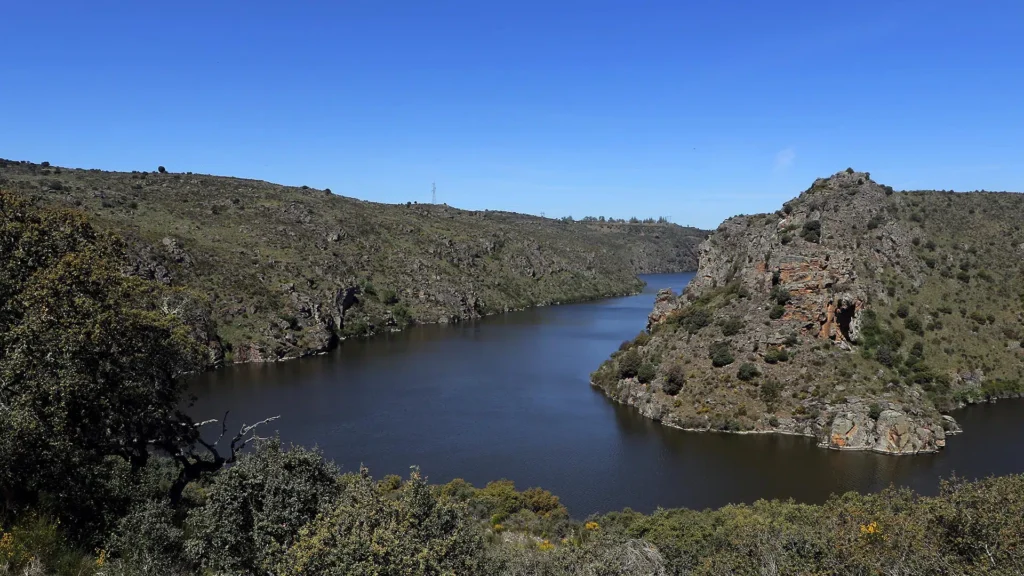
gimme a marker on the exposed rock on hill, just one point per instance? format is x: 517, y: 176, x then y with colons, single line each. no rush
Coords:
x: 855, y: 315
x: 282, y: 272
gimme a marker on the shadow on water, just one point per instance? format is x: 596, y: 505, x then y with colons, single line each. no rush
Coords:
x: 509, y: 396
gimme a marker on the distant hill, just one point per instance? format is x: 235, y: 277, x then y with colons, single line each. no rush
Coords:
x: 855, y: 314
x: 282, y: 272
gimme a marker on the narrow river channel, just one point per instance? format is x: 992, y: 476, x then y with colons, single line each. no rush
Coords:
x: 508, y: 397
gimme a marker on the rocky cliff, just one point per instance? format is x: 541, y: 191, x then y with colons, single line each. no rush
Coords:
x: 855, y: 314
x: 273, y: 272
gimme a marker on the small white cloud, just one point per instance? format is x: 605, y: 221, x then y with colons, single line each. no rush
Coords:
x: 784, y: 159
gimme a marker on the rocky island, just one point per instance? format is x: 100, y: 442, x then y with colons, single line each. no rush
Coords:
x: 855, y: 314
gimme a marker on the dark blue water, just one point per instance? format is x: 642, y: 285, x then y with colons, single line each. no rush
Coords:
x: 509, y: 397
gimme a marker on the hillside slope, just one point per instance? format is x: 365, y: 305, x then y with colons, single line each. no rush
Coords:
x: 855, y: 315
x: 280, y: 272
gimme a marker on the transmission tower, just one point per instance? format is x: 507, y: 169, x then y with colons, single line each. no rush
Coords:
x: 433, y: 193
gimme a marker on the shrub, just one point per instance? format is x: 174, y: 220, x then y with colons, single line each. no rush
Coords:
x: 874, y: 411
x: 780, y: 295
x: 913, y: 324
x: 646, y: 372
x: 161, y: 170
x: 388, y: 296
x: 674, y: 379
x: 254, y: 510
x: 720, y: 354
x: 148, y: 541
x: 747, y: 372
x: 693, y: 318
x: 903, y: 310
x: 885, y: 356
x: 770, y: 392
x: 732, y: 326
x: 629, y: 363
x: 776, y: 312
x: 775, y: 355
x: 811, y: 231
x: 400, y: 312
x: 875, y: 221
x: 412, y: 531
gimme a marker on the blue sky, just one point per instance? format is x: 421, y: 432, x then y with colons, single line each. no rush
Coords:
x: 694, y: 110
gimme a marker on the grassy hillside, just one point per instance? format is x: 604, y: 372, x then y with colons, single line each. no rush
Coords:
x: 283, y: 271
x: 103, y: 474
x: 855, y: 314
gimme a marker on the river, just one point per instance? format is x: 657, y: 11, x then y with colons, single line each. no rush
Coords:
x: 509, y: 397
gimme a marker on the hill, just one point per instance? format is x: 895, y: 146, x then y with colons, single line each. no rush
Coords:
x: 855, y: 314
x: 280, y: 272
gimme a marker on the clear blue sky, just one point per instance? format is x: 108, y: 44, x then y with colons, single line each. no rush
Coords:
x: 696, y: 110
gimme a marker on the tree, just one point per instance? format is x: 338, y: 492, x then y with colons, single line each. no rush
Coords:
x: 161, y: 170
x: 88, y: 364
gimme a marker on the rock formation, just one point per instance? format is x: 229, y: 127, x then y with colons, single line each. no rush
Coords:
x: 834, y: 318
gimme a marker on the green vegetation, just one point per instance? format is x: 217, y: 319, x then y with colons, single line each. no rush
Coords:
x: 102, y: 475
x: 811, y: 231
x: 285, y: 272
x: 720, y: 354
x: 910, y: 300
x: 629, y: 363
x: 646, y: 373
x: 747, y: 372
x: 776, y: 355
x: 675, y: 377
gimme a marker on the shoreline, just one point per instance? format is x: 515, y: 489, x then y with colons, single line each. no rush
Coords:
x: 337, y: 341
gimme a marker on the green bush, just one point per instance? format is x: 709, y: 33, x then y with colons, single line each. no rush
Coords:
x: 874, y: 411
x: 693, y: 318
x: 646, y: 373
x: 775, y: 355
x: 629, y: 363
x: 777, y: 311
x: 903, y: 310
x: 149, y: 541
x: 885, y: 356
x: 253, y: 511
x: 770, y: 392
x: 747, y: 372
x: 811, y: 231
x: 780, y: 295
x: 732, y: 326
x: 913, y: 324
x: 720, y: 354
x: 674, y: 378
x: 412, y: 531
x: 388, y: 296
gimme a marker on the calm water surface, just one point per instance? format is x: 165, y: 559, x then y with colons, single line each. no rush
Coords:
x: 509, y: 397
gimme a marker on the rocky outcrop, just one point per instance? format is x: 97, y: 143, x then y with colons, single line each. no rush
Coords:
x: 892, y: 432
x: 846, y: 315
x: 664, y: 303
